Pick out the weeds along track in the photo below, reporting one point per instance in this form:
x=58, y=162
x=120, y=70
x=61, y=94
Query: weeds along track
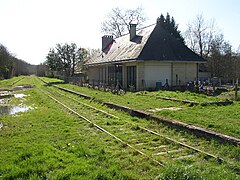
x=18, y=80
x=198, y=131
x=155, y=146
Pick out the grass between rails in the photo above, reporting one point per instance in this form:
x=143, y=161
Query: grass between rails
x=7, y=84
x=46, y=143
x=222, y=119
x=49, y=143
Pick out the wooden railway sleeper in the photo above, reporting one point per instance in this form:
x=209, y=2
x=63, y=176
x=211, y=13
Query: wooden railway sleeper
x=102, y=129
x=220, y=160
x=182, y=144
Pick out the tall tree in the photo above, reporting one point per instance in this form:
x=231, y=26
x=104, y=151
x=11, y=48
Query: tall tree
x=12, y=66
x=169, y=25
x=64, y=58
x=6, y=63
x=236, y=66
x=200, y=34
x=118, y=21
x=41, y=69
x=220, y=61
x=203, y=37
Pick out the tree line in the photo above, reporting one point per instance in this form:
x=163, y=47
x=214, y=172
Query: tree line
x=11, y=66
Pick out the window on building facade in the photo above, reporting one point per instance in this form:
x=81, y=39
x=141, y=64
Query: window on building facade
x=131, y=77
x=115, y=75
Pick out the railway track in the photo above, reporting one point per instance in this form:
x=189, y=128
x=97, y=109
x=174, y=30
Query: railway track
x=198, y=131
x=155, y=146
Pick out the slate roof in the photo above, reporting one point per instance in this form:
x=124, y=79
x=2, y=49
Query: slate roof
x=151, y=43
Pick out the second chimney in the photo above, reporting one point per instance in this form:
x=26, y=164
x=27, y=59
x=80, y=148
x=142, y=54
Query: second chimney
x=106, y=41
x=132, y=31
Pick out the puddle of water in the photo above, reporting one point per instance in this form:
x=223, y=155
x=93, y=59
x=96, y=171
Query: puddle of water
x=19, y=95
x=2, y=96
x=4, y=92
x=6, y=95
x=23, y=87
x=7, y=110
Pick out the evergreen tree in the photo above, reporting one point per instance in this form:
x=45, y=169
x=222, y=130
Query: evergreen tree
x=169, y=25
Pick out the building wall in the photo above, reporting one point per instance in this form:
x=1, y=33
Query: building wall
x=183, y=73
x=148, y=73
x=141, y=85
x=98, y=73
x=204, y=76
x=93, y=73
x=175, y=73
x=156, y=71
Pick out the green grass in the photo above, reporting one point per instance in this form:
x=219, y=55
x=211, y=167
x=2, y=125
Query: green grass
x=222, y=119
x=48, y=142
x=132, y=100
x=190, y=96
x=7, y=83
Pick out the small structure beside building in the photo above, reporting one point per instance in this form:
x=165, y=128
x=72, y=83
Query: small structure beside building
x=144, y=59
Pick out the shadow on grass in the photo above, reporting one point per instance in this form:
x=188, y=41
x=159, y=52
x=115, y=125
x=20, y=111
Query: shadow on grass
x=54, y=83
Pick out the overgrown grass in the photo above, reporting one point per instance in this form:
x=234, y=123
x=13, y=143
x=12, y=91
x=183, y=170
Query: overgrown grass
x=132, y=100
x=50, y=143
x=222, y=119
x=46, y=143
x=7, y=83
x=190, y=96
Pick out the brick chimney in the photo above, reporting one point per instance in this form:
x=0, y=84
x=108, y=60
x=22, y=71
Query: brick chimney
x=132, y=31
x=106, y=41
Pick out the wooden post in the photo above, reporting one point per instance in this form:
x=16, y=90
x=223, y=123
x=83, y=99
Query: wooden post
x=197, y=72
x=236, y=91
x=104, y=85
x=176, y=80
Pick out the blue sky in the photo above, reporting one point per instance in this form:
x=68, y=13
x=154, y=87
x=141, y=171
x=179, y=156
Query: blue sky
x=30, y=27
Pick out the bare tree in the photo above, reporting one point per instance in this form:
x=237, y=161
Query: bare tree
x=200, y=34
x=118, y=21
x=205, y=39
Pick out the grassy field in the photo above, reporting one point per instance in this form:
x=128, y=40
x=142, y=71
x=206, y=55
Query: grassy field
x=48, y=142
x=5, y=84
x=222, y=119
